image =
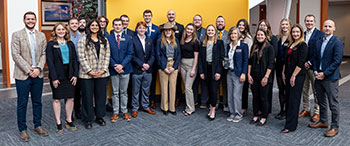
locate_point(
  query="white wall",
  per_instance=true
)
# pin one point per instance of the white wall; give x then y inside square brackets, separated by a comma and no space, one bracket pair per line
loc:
[342,24]
[15,12]
[310,7]
[276,10]
[254,19]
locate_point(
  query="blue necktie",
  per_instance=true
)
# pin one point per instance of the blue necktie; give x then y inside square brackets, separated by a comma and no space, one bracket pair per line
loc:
[148,31]
[32,48]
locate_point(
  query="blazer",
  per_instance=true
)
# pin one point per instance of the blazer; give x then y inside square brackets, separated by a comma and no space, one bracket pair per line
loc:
[218,57]
[162,58]
[179,31]
[55,62]
[297,58]
[224,36]
[122,55]
[129,32]
[89,61]
[21,53]
[267,62]
[315,36]
[240,59]
[141,56]
[155,33]
[282,51]
[201,33]
[274,42]
[331,60]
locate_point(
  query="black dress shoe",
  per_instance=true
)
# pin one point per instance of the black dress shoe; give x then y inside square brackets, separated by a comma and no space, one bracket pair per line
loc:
[173,113]
[280,116]
[100,121]
[261,124]
[165,112]
[88,125]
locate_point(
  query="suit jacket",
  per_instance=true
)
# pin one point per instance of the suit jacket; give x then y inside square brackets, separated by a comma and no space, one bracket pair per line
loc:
[129,32]
[89,61]
[179,31]
[122,55]
[274,42]
[240,59]
[21,53]
[224,36]
[162,58]
[267,61]
[141,56]
[155,33]
[296,58]
[201,34]
[218,57]
[331,60]
[282,51]
[55,62]
[315,36]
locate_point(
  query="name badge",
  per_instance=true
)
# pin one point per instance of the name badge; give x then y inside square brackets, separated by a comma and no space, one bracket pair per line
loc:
[153,30]
[147,43]
[177,31]
[122,39]
[238,50]
[56,46]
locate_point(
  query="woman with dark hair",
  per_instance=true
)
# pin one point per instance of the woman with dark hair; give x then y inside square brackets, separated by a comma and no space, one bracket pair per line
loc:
[168,57]
[211,55]
[294,76]
[94,56]
[283,43]
[237,54]
[189,58]
[103,21]
[261,63]
[272,39]
[63,71]
[246,37]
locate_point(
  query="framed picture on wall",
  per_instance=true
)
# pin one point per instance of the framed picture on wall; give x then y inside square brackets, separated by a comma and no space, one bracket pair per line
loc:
[53,12]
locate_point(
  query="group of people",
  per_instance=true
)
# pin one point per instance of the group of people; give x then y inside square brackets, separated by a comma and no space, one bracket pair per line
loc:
[82,57]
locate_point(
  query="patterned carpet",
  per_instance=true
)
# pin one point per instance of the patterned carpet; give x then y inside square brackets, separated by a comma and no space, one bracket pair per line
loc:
[171,130]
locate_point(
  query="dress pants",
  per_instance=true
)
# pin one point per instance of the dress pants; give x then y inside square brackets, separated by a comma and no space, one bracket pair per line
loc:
[186,68]
[77,97]
[327,90]
[234,96]
[245,94]
[212,86]
[168,88]
[260,97]
[91,89]
[154,81]
[120,84]
[223,83]
[293,97]
[281,88]
[34,86]
[140,82]
[310,79]
[270,92]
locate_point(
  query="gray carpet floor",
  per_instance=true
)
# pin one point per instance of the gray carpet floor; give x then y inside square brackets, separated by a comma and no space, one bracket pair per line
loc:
[171,130]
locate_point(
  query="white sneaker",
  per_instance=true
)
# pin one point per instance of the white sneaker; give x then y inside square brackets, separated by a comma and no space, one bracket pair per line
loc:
[230,118]
[236,120]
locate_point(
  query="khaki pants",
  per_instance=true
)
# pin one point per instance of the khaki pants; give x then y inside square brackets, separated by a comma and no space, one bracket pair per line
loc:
[168,83]
[186,68]
[309,78]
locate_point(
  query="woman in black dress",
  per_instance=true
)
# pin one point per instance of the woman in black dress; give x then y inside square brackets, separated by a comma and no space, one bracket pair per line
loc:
[63,71]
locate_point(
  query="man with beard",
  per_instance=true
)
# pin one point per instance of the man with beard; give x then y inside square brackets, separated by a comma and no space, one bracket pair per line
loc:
[171,15]
[125,20]
[73,24]
[28,52]
[222,34]
[82,25]
[200,31]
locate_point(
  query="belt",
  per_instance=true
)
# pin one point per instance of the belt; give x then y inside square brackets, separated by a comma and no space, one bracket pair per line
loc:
[170,59]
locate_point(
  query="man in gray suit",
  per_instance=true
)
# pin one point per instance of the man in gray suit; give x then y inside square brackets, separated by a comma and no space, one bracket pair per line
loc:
[222,34]
[28,52]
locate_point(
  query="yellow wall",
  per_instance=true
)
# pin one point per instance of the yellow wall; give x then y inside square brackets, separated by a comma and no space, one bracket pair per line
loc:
[232,10]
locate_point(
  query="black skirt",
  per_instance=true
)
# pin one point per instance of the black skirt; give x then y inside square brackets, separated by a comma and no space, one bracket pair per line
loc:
[65,89]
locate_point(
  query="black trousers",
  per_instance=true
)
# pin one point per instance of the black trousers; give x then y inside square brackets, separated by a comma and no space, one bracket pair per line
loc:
[293,97]
[212,85]
[93,88]
[77,97]
[260,98]
[281,88]
[245,94]
[152,95]
[270,93]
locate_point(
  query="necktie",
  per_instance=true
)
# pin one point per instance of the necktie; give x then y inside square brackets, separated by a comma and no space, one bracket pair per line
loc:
[118,41]
[148,31]
[32,48]
[220,33]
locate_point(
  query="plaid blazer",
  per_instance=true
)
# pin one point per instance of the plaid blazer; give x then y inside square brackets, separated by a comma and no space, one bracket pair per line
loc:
[89,61]
[21,53]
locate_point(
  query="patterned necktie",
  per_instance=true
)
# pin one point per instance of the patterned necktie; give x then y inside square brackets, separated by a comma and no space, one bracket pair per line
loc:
[118,41]
[220,33]
[32,47]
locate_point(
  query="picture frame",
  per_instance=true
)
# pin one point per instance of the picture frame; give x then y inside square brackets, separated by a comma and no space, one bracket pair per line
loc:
[55,11]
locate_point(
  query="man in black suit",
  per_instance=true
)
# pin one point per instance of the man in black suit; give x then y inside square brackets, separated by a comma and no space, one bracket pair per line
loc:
[125,20]
[171,15]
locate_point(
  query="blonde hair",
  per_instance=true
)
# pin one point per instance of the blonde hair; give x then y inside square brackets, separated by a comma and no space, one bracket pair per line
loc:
[280,34]
[53,36]
[301,38]
[205,40]
[172,39]
[184,34]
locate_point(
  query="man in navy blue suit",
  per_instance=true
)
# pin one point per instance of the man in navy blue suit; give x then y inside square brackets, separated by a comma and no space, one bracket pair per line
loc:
[125,20]
[122,52]
[312,34]
[326,62]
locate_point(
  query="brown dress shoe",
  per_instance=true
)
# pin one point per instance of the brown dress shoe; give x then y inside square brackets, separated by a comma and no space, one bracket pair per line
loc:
[24,135]
[126,117]
[319,125]
[114,118]
[304,113]
[315,117]
[331,132]
[134,114]
[40,130]
[150,111]
[153,104]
